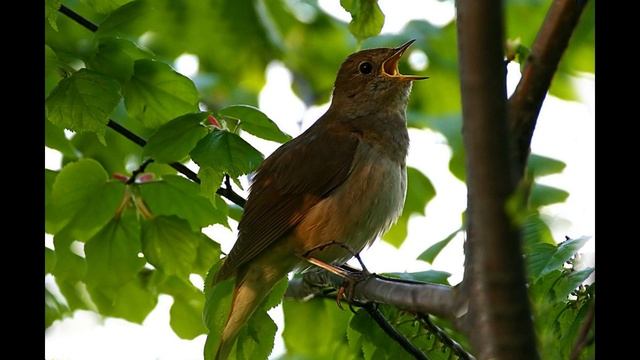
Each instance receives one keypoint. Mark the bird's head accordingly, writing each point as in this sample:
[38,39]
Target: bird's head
[369,80]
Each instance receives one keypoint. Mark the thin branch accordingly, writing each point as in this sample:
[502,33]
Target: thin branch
[583,339]
[416,297]
[377,316]
[444,338]
[79,19]
[499,317]
[139,171]
[546,52]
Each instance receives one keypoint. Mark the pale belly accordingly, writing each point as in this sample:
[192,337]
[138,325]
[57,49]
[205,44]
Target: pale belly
[362,208]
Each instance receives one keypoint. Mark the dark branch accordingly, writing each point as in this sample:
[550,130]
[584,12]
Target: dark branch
[444,338]
[546,52]
[377,316]
[583,339]
[414,297]
[79,19]
[499,318]
[139,171]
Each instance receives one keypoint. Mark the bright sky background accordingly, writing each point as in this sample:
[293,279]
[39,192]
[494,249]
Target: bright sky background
[565,131]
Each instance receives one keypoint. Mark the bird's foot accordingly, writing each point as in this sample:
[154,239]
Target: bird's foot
[346,290]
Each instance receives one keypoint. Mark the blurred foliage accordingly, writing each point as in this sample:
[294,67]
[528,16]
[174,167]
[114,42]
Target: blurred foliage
[119,244]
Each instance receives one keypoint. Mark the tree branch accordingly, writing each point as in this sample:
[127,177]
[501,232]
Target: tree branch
[499,318]
[414,297]
[546,52]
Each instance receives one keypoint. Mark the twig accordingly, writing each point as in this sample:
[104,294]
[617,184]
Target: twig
[138,171]
[79,19]
[376,315]
[546,52]
[583,339]
[444,338]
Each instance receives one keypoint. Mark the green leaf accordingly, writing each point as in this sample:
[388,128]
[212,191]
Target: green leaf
[51,12]
[226,152]
[541,165]
[131,301]
[429,276]
[54,138]
[534,231]
[174,140]
[255,122]
[49,180]
[309,339]
[83,199]
[175,195]
[83,102]
[53,308]
[116,57]
[419,192]
[155,94]
[255,340]
[565,250]
[69,266]
[366,17]
[170,245]
[432,252]
[376,344]
[210,181]
[275,296]
[49,260]
[538,258]
[105,6]
[570,282]
[216,311]
[186,317]
[542,195]
[208,253]
[112,254]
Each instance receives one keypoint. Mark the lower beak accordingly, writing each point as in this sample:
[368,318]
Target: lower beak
[390,66]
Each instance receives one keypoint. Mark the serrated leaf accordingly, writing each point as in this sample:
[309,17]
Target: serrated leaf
[534,231]
[169,244]
[53,308]
[419,192]
[76,295]
[175,195]
[226,152]
[174,140]
[570,282]
[54,138]
[565,250]
[255,122]
[69,266]
[541,165]
[186,317]
[155,93]
[210,180]
[255,340]
[208,253]
[112,254]
[83,102]
[105,6]
[542,195]
[216,310]
[51,12]
[429,276]
[432,252]
[116,57]
[366,17]
[49,260]
[539,256]
[131,301]
[275,296]
[309,339]
[83,199]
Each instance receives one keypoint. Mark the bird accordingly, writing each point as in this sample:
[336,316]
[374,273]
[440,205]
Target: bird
[343,181]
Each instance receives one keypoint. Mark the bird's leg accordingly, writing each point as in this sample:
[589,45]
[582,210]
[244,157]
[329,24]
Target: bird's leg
[350,278]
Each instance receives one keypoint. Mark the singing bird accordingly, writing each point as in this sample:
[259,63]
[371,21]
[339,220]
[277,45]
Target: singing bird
[341,181]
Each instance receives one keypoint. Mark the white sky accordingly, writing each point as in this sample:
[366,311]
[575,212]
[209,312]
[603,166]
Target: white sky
[565,131]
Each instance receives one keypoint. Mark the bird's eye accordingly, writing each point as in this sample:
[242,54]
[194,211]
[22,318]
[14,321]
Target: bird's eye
[365,67]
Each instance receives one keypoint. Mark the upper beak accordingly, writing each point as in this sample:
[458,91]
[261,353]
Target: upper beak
[390,65]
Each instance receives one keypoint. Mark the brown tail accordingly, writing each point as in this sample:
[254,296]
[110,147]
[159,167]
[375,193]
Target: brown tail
[251,288]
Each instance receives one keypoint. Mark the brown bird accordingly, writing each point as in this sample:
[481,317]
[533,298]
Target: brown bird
[342,181]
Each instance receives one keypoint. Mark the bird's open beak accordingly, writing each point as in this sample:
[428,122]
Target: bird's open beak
[390,66]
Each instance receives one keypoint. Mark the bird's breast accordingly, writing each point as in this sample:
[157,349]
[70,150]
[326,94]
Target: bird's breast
[363,207]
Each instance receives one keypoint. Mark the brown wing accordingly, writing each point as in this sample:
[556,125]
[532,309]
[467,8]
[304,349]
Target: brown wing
[288,183]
